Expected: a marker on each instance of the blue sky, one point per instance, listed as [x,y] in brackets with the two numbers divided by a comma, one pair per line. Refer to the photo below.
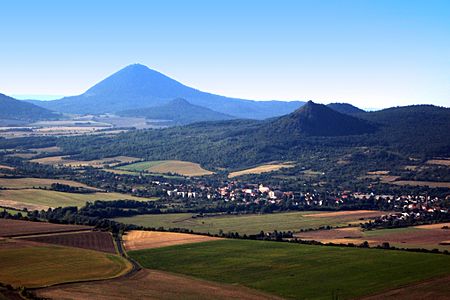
[369,53]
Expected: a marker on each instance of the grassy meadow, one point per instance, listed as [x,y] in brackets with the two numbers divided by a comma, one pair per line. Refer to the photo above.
[296,271]
[46,265]
[249,224]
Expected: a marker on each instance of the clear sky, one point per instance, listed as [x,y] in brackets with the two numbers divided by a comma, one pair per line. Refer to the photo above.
[376,53]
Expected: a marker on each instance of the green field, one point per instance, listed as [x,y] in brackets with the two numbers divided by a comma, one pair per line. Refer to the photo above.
[42,266]
[140,166]
[167,166]
[139,173]
[12,211]
[244,224]
[43,199]
[297,271]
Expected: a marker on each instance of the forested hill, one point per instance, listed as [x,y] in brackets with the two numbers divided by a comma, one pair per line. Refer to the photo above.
[12,109]
[317,120]
[345,108]
[137,86]
[414,131]
[178,112]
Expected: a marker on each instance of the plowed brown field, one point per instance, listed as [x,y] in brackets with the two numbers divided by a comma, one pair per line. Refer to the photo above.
[94,240]
[9,228]
[149,284]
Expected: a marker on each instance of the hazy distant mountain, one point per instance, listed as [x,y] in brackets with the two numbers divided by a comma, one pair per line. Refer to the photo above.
[179,111]
[345,108]
[137,86]
[12,109]
[317,120]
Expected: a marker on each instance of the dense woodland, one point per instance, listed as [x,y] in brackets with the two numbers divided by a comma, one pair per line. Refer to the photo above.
[392,134]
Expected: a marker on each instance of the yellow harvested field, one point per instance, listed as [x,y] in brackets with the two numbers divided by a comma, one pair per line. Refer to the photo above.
[21,205]
[22,155]
[378,173]
[50,160]
[387,178]
[411,168]
[98,163]
[185,168]
[140,239]
[6,168]
[28,182]
[443,162]
[44,199]
[261,169]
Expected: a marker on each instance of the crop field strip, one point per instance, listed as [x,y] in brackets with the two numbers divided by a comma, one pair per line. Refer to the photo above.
[297,271]
[13,228]
[43,199]
[424,236]
[93,240]
[99,163]
[167,166]
[252,224]
[139,239]
[28,183]
[261,169]
[43,265]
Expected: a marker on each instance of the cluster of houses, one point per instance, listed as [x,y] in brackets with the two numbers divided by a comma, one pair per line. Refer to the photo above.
[246,193]
[232,191]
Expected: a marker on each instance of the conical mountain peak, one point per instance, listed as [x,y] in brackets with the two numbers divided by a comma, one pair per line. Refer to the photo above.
[319,120]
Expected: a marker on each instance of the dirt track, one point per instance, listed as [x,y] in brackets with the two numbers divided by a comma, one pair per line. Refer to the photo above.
[149,284]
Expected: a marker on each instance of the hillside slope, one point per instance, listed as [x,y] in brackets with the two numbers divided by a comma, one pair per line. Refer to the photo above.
[12,109]
[179,112]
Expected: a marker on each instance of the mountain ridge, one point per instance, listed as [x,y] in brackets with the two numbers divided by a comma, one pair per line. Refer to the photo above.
[345,108]
[137,86]
[13,109]
[179,111]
